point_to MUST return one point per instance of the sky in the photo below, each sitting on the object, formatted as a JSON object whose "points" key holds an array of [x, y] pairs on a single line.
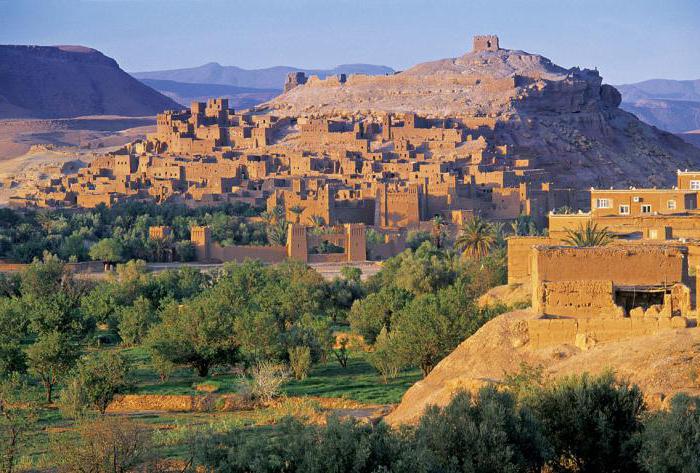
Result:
{"points": [[627, 40]]}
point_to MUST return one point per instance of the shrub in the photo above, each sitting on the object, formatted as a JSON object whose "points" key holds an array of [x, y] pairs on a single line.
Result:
{"points": [[590, 422], [98, 377], [266, 379], [385, 359], [670, 440], [300, 361], [484, 433], [106, 445]]}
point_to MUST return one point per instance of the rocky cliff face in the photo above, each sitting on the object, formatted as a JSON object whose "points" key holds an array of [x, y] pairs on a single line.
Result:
{"points": [[70, 81], [568, 117]]}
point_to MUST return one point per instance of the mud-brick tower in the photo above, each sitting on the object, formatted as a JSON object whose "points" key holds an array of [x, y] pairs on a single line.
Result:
{"points": [[201, 239], [297, 248], [355, 242]]}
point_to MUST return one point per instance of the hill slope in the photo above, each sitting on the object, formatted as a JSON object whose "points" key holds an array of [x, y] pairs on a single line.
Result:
{"points": [[268, 78], [672, 105], [659, 364], [568, 117], [70, 81]]}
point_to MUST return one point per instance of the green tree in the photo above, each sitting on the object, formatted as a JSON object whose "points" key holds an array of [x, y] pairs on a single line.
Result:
{"points": [[14, 323], [432, 325], [199, 334], [590, 235], [438, 230], [99, 376], [590, 422], [109, 250], [369, 316], [135, 321], [476, 238], [50, 358], [670, 439]]}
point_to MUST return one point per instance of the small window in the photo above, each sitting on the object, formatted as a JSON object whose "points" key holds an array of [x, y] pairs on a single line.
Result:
{"points": [[695, 185], [646, 209], [603, 204], [624, 210], [671, 204]]}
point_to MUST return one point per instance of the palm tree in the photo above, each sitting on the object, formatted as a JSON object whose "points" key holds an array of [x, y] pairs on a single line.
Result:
{"points": [[438, 231], [297, 210], [524, 225], [498, 229], [475, 238], [591, 235]]}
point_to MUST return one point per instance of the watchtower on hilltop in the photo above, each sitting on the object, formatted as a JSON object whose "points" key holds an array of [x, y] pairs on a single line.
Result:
{"points": [[487, 42]]}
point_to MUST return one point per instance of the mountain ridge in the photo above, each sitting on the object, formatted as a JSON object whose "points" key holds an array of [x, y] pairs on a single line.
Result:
{"points": [[672, 105], [69, 81]]}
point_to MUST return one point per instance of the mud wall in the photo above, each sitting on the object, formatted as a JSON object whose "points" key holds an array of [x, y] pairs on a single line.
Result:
{"points": [[519, 249], [626, 265], [576, 299], [550, 332]]}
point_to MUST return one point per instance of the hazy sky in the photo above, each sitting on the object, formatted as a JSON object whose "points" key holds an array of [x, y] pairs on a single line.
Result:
{"points": [[628, 40]]}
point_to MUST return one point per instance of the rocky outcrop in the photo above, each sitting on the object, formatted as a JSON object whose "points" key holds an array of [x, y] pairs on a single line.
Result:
{"points": [[70, 81], [567, 117]]}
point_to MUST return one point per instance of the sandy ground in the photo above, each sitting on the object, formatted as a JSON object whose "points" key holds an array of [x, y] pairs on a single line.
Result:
{"points": [[82, 133]]}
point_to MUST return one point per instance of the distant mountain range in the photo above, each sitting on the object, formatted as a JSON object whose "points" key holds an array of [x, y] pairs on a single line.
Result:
{"points": [[184, 93], [672, 105], [244, 88], [70, 81], [267, 78]]}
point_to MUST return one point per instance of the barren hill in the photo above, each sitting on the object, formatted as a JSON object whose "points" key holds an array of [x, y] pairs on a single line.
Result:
{"points": [[660, 364], [568, 117], [70, 81]]}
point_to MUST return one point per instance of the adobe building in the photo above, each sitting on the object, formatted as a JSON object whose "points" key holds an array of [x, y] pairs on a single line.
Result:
{"points": [[586, 296]]}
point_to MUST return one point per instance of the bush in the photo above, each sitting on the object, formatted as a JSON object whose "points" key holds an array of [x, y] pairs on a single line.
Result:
{"points": [[670, 440], [106, 445], [300, 361], [485, 433], [385, 359], [590, 422], [98, 377], [266, 379]]}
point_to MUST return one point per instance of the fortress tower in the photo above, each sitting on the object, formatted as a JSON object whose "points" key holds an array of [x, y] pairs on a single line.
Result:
{"points": [[201, 239], [485, 43]]}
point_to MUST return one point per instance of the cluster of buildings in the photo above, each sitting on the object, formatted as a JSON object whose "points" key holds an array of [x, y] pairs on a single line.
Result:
{"points": [[385, 170]]}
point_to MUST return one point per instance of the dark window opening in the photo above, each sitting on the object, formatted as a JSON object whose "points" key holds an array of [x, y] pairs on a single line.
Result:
{"points": [[645, 298]]}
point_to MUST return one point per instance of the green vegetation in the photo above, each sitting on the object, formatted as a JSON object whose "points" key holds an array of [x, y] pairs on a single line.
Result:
{"points": [[120, 233], [590, 235], [290, 348]]}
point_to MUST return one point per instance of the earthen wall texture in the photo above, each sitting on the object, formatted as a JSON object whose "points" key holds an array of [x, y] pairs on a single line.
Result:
{"points": [[623, 265]]}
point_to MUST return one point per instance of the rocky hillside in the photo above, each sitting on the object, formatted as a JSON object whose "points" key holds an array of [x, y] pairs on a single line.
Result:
{"points": [[267, 78], [70, 81], [672, 105], [567, 116], [660, 364]]}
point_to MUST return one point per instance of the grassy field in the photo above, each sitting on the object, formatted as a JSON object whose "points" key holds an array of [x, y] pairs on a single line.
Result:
{"points": [[358, 381]]}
